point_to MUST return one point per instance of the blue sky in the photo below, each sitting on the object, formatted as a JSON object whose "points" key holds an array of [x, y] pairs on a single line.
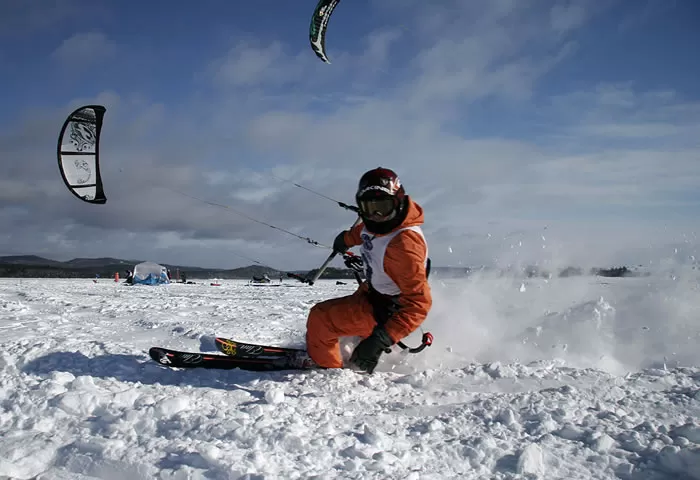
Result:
{"points": [[505, 119]]}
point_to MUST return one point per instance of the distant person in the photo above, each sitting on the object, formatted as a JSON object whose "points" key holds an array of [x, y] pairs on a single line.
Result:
{"points": [[129, 277], [396, 297]]}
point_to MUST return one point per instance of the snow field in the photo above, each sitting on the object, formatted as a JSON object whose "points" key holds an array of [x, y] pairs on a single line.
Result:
{"points": [[79, 398]]}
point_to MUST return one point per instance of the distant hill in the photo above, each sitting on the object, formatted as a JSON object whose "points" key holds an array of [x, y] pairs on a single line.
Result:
{"points": [[28, 260], [32, 266], [99, 262]]}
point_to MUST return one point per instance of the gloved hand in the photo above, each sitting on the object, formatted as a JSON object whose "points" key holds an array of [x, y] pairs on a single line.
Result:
{"points": [[366, 354], [353, 262], [339, 243]]}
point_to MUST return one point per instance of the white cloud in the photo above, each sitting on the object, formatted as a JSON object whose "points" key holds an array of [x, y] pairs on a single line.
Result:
{"points": [[424, 81], [83, 49], [638, 130], [623, 114], [245, 65], [21, 19], [645, 12], [379, 46], [567, 17]]}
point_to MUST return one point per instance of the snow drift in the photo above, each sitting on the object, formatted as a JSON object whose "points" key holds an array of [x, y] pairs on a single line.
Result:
{"points": [[79, 398]]}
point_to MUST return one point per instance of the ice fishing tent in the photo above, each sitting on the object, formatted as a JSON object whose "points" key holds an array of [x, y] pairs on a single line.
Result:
{"points": [[150, 273]]}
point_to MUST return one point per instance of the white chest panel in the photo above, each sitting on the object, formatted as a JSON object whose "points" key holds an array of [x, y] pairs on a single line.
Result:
{"points": [[373, 250]]}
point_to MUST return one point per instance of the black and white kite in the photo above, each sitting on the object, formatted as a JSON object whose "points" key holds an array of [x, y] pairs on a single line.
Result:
{"points": [[79, 153]]}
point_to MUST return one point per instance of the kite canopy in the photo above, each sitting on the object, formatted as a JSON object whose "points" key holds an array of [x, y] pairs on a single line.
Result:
{"points": [[319, 24], [79, 153]]}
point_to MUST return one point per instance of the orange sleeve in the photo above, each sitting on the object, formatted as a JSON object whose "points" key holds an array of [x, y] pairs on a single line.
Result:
{"points": [[404, 263], [352, 236]]}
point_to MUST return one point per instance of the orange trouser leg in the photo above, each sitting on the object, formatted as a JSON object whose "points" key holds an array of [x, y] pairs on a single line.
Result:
{"points": [[335, 318]]}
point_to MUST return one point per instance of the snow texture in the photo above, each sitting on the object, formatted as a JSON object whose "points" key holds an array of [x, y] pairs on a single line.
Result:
{"points": [[571, 378]]}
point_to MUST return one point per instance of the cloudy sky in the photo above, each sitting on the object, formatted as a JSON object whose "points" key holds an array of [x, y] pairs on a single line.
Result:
{"points": [[530, 131]]}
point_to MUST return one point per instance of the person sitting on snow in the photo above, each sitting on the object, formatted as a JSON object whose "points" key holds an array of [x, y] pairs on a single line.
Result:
{"points": [[396, 297]]}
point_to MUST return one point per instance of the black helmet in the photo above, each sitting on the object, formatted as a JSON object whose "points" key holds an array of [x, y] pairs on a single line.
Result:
{"points": [[381, 199]]}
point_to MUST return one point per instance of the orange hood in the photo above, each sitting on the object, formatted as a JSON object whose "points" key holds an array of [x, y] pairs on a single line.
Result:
{"points": [[415, 216]]}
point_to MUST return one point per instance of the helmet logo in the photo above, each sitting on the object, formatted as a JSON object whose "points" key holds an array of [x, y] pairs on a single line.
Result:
{"points": [[388, 185], [394, 185]]}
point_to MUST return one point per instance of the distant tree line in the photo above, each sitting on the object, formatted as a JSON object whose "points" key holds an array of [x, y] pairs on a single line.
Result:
{"points": [[38, 267], [21, 270], [622, 271]]}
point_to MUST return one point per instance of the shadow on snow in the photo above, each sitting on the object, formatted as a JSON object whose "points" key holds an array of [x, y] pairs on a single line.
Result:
{"points": [[142, 370]]}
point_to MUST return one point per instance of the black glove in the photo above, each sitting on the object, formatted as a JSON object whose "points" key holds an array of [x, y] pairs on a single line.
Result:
{"points": [[366, 354], [339, 243], [353, 262]]}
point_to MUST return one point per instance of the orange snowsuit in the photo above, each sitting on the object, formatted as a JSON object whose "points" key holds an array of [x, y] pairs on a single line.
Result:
{"points": [[404, 263]]}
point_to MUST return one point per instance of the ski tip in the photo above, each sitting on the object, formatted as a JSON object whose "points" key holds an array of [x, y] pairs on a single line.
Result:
{"points": [[159, 355]]}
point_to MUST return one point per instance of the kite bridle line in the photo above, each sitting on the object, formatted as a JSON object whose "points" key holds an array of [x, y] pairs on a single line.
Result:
{"points": [[221, 205], [332, 255], [352, 208], [288, 274], [296, 276], [308, 240]]}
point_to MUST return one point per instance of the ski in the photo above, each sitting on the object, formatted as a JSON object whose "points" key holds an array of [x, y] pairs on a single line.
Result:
{"points": [[179, 359], [236, 349]]}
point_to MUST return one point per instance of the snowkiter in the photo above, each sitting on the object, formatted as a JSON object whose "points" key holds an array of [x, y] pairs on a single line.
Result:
{"points": [[395, 298]]}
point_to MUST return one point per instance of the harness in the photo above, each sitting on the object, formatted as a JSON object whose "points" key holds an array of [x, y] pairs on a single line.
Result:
{"points": [[384, 306]]}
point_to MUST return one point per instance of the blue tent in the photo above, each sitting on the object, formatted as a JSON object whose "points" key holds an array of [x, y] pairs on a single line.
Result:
{"points": [[150, 273]]}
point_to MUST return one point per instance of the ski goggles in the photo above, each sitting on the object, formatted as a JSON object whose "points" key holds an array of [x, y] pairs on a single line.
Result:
{"points": [[377, 209]]}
